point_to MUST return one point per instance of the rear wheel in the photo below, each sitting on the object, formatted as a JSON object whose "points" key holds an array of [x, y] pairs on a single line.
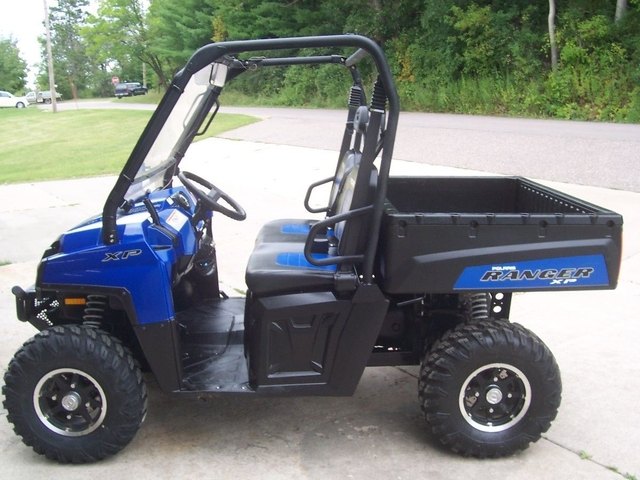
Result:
{"points": [[74, 394], [489, 389], [20, 105]]}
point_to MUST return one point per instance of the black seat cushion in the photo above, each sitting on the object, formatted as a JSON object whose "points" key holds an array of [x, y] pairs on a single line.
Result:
{"points": [[276, 268]]}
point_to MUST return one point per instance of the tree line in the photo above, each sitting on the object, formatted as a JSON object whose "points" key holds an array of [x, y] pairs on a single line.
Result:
{"points": [[575, 59], [13, 69]]}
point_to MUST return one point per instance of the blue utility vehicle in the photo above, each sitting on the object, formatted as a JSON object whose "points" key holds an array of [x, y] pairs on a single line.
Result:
{"points": [[401, 271]]}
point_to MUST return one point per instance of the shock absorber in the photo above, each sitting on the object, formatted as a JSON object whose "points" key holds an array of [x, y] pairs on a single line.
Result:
{"points": [[379, 97], [356, 96], [94, 310], [477, 306]]}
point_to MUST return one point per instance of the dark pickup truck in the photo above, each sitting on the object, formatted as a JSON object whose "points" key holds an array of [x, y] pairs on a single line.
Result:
{"points": [[129, 89]]}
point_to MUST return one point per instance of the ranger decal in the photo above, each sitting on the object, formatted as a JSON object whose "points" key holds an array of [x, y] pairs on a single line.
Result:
{"points": [[567, 272]]}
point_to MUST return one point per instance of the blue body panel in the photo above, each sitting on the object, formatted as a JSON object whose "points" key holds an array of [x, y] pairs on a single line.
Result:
{"points": [[562, 272], [142, 262]]}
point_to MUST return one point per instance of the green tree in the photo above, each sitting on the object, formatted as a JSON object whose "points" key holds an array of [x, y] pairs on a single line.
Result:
{"points": [[13, 69], [598, 73], [177, 29], [119, 33], [472, 56], [383, 20], [70, 59]]}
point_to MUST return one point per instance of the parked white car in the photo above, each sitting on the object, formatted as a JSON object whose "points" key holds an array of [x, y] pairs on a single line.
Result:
{"points": [[9, 100]]}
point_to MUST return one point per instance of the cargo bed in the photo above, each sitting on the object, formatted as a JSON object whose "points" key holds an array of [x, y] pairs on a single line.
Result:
{"points": [[450, 234]]}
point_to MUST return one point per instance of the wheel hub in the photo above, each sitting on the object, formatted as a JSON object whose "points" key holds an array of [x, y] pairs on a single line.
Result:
{"points": [[71, 401], [495, 397]]}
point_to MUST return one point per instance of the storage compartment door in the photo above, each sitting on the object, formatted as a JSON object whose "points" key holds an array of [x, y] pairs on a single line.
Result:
{"points": [[294, 338]]}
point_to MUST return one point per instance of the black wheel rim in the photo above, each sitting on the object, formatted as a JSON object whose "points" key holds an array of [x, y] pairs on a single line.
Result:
{"points": [[70, 402], [495, 397]]}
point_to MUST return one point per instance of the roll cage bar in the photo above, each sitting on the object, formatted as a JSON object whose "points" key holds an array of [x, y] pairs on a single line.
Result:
{"points": [[226, 51]]}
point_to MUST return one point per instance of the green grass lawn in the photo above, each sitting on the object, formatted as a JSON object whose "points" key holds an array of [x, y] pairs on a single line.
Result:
{"points": [[40, 145]]}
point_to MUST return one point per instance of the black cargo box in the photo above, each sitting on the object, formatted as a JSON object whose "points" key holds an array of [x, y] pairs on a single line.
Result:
{"points": [[452, 234]]}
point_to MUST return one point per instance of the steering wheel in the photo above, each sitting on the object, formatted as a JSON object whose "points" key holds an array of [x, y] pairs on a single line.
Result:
{"points": [[211, 198]]}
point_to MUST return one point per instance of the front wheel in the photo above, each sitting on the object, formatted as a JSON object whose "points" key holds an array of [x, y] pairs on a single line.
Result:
{"points": [[489, 389], [74, 394], [20, 105]]}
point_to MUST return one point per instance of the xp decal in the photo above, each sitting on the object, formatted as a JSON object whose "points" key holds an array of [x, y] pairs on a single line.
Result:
{"points": [[564, 272], [121, 255]]}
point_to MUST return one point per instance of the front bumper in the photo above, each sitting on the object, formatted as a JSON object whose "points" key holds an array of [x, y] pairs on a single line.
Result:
{"points": [[30, 309]]}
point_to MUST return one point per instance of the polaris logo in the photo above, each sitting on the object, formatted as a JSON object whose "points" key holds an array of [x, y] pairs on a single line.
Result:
{"points": [[500, 268], [562, 276]]}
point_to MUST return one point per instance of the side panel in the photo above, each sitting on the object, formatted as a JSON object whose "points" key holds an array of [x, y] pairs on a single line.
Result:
{"points": [[144, 262], [358, 338], [159, 342], [294, 338], [442, 235], [312, 343], [449, 258], [134, 267]]}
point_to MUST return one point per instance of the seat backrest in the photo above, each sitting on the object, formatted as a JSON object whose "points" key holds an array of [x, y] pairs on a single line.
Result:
{"points": [[349, 160], [358, 190]]}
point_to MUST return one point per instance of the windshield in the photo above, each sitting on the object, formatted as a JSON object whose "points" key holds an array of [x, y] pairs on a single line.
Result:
{"points": [[177, 132]]}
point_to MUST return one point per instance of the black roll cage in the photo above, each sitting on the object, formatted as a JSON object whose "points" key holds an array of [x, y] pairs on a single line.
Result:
{"points": [[215, 51]]}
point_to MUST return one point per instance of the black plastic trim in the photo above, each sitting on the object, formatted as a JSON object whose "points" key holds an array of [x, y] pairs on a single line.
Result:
{"points": [[307, 197], [322, 225], [24, 302], [390, 359], [161, 347], [122, 294], [286, 61]]}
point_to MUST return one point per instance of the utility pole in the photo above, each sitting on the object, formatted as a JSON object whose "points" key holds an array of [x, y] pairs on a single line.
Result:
{"points": [[52, 82]]}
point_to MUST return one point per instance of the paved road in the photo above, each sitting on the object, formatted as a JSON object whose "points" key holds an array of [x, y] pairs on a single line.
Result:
{"points": [[598, 154], [585, 153]]}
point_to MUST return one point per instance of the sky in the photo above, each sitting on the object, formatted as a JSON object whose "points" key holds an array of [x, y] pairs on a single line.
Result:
{"points": [[23, 20]]}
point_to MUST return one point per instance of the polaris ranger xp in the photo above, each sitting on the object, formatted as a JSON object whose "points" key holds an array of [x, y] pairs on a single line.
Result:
{"points": [[400, 271]]}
